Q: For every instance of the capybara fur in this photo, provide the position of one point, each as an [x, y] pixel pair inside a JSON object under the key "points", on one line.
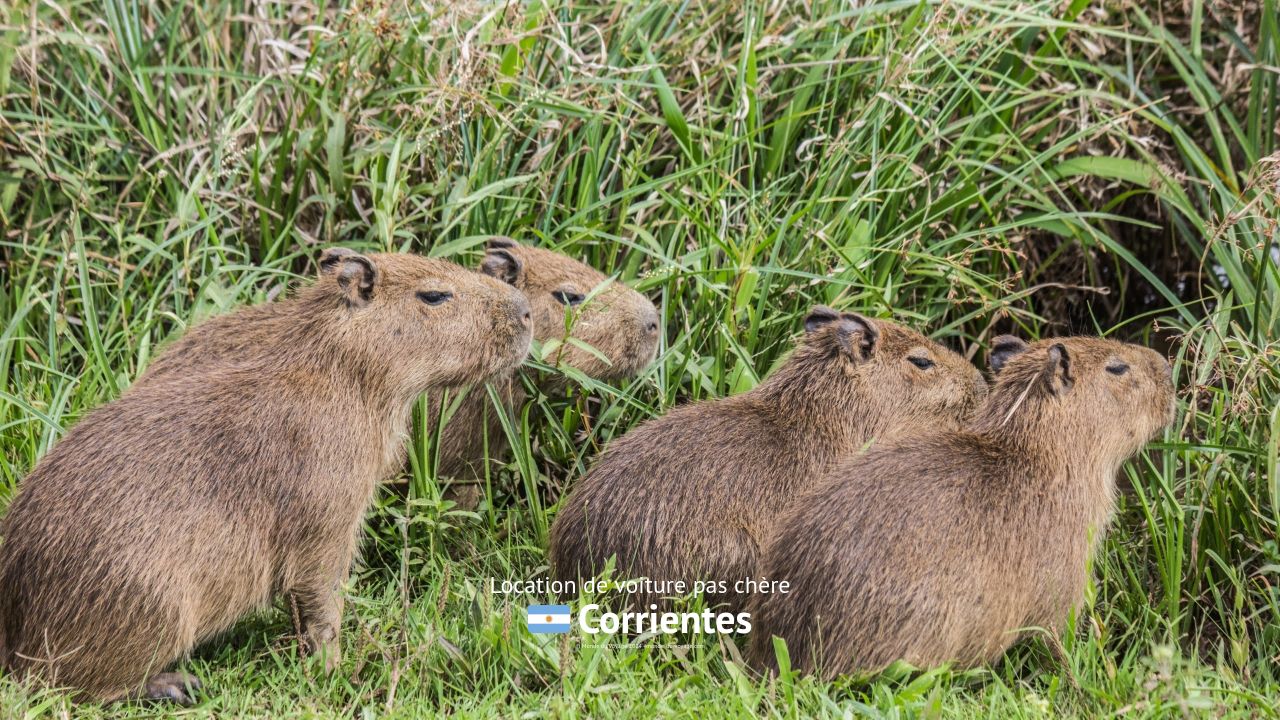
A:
{"points": [[620, 324], [166, 515], [947, 547], [692, 495]]}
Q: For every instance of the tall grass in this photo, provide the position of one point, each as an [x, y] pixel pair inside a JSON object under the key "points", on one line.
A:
{"points": [[970, 168]]}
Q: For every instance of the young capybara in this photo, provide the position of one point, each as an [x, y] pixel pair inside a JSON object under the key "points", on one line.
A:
{"points": [[691, 496], [620, 324], [164, 516], [946, 547]]}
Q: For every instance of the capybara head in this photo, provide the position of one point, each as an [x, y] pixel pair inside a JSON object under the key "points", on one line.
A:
{"points": [[924, 382], [572, 300], [1115, 394], [409, 315]]}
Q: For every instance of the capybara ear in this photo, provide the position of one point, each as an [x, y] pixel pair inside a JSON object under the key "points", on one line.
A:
{"points": [[819, 317], [500, 264], [500, 241], [1004, 348], [859, 336], [356, 274], [1057, 369]]}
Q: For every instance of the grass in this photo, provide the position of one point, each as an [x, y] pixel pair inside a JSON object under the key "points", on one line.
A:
{"points": [[970, 168]]}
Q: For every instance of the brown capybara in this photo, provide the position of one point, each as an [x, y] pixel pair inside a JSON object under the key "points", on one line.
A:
{"points": [[691, 496], [946, 547], [164, 516], [618, 323]]}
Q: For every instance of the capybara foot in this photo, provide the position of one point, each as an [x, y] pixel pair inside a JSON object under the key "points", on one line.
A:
{"points": [[172, 687], [1059, 653], [466, 496], [331, 654], [323, 643]]}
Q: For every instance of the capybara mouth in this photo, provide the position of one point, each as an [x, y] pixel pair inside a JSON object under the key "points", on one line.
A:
{"points": [[520, 346]]}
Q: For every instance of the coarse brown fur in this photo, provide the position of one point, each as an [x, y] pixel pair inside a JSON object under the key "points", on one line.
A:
{"points": [[692, 495], [943, 548], [163, 517], [617, 322]]}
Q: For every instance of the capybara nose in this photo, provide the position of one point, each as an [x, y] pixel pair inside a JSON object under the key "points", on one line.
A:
{"points": [[522, 311], [649, 321]]}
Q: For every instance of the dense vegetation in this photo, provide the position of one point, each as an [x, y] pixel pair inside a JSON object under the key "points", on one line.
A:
{"points": [[1039, 167]]}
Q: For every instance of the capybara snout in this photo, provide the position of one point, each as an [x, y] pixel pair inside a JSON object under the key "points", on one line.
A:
{"points": [[512, 321]]}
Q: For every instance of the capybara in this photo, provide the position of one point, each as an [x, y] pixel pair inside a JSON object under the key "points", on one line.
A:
{"points": [[692, 495], [946, 547], [166, 515], [619, 324]]}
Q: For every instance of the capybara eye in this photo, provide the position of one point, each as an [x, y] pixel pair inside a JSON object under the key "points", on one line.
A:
{"points": [[434, 297], [565, 297], [923, 363], [1118, 368]]}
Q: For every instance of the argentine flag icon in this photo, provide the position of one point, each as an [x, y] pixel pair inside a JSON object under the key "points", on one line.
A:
{"points": [[548, 618]]}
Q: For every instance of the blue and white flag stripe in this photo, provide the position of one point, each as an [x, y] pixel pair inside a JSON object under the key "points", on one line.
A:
{"points": [[548, 618]]}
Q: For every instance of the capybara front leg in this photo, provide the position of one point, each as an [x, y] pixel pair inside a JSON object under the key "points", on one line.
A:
{"points": [[320, 612], [466, 494]]}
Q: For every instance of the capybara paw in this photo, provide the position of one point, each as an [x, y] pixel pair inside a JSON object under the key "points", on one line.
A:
{"points": [[332, 657], [174, 687], [329, 652], [466, 496], [323, 644]]}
